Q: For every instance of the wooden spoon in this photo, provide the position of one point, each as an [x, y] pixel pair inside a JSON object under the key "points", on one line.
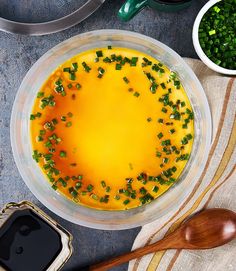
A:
{"points": [[206, 229]]}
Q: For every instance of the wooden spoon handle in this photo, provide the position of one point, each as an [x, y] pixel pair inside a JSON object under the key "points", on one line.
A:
{"points": [[121, 259], [165, 243]]}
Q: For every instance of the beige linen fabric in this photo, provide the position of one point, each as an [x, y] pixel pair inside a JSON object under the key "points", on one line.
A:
{"points": [[215, 188]]}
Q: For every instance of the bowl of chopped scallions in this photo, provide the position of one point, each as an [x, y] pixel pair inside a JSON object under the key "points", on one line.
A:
{"points": [[214, 35]]}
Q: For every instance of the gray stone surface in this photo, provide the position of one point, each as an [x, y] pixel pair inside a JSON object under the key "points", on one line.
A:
{"points": [[17, 55]]}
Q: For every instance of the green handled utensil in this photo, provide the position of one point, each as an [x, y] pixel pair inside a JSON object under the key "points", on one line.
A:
{"points": [[132, 7]]}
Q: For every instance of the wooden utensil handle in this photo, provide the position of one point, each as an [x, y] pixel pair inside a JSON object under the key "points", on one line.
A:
{"points": [[165, 243], [122, 259]]}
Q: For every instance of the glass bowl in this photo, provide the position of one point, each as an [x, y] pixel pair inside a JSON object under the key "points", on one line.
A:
{"points": [[36, 181]]}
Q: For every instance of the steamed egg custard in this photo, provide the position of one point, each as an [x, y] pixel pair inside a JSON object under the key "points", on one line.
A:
{"points": [[112, 128]]}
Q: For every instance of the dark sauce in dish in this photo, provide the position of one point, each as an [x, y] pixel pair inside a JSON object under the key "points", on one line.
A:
{"points": [[27, 242]]}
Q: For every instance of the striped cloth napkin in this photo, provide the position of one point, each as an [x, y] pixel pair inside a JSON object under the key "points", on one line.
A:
{"points": [[215, 188]]}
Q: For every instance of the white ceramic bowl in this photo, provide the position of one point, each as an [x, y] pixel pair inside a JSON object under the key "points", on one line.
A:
{"points": [[35, 179], [197, 45]]}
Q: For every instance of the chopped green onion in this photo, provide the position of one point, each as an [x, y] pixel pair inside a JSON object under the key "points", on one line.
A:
{"points": [[95, 197], [54, 187], [126, 80], [75, 66], [32, 117], [164, 110], [103, 183], [133, 61], [69, 124], [165, 160], [127, 201], [182, 104], [63, 118], [72, 76], [155, 189], [108, 189], [143, 191], [99, 54], [136, 94], [86, 67], [67, 69], [118, 66], [62, 154], [78, 86], [212, 32], [40, 94], [163, 85], [189, 136], [107, 60], [90, 187]]}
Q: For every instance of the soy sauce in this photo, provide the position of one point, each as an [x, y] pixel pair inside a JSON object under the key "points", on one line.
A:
{"points": [[27, 242]]}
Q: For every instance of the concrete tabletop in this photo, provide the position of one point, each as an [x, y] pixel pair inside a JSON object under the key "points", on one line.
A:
{"points": [[18, 54]]}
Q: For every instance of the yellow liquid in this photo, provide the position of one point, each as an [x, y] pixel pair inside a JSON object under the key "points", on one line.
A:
{"points": [[114, 131]]}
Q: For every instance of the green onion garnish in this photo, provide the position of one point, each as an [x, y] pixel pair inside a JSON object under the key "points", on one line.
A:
{"points": [[72, 76], [165, 160], [163, 85], [95, 197], [126, 80], [62, 154], [99, 54], [67, 69], [86, 67], [69, 124], [90, 188], [75, 66], [164, 110], [136, 94], [54, 187], [108, 189], [133, 61], [118, 66], [127, 201], [40, 94], [32, 117], [155, 189], [212, 32], [78, 86], [217, 35], [103, 183]]}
